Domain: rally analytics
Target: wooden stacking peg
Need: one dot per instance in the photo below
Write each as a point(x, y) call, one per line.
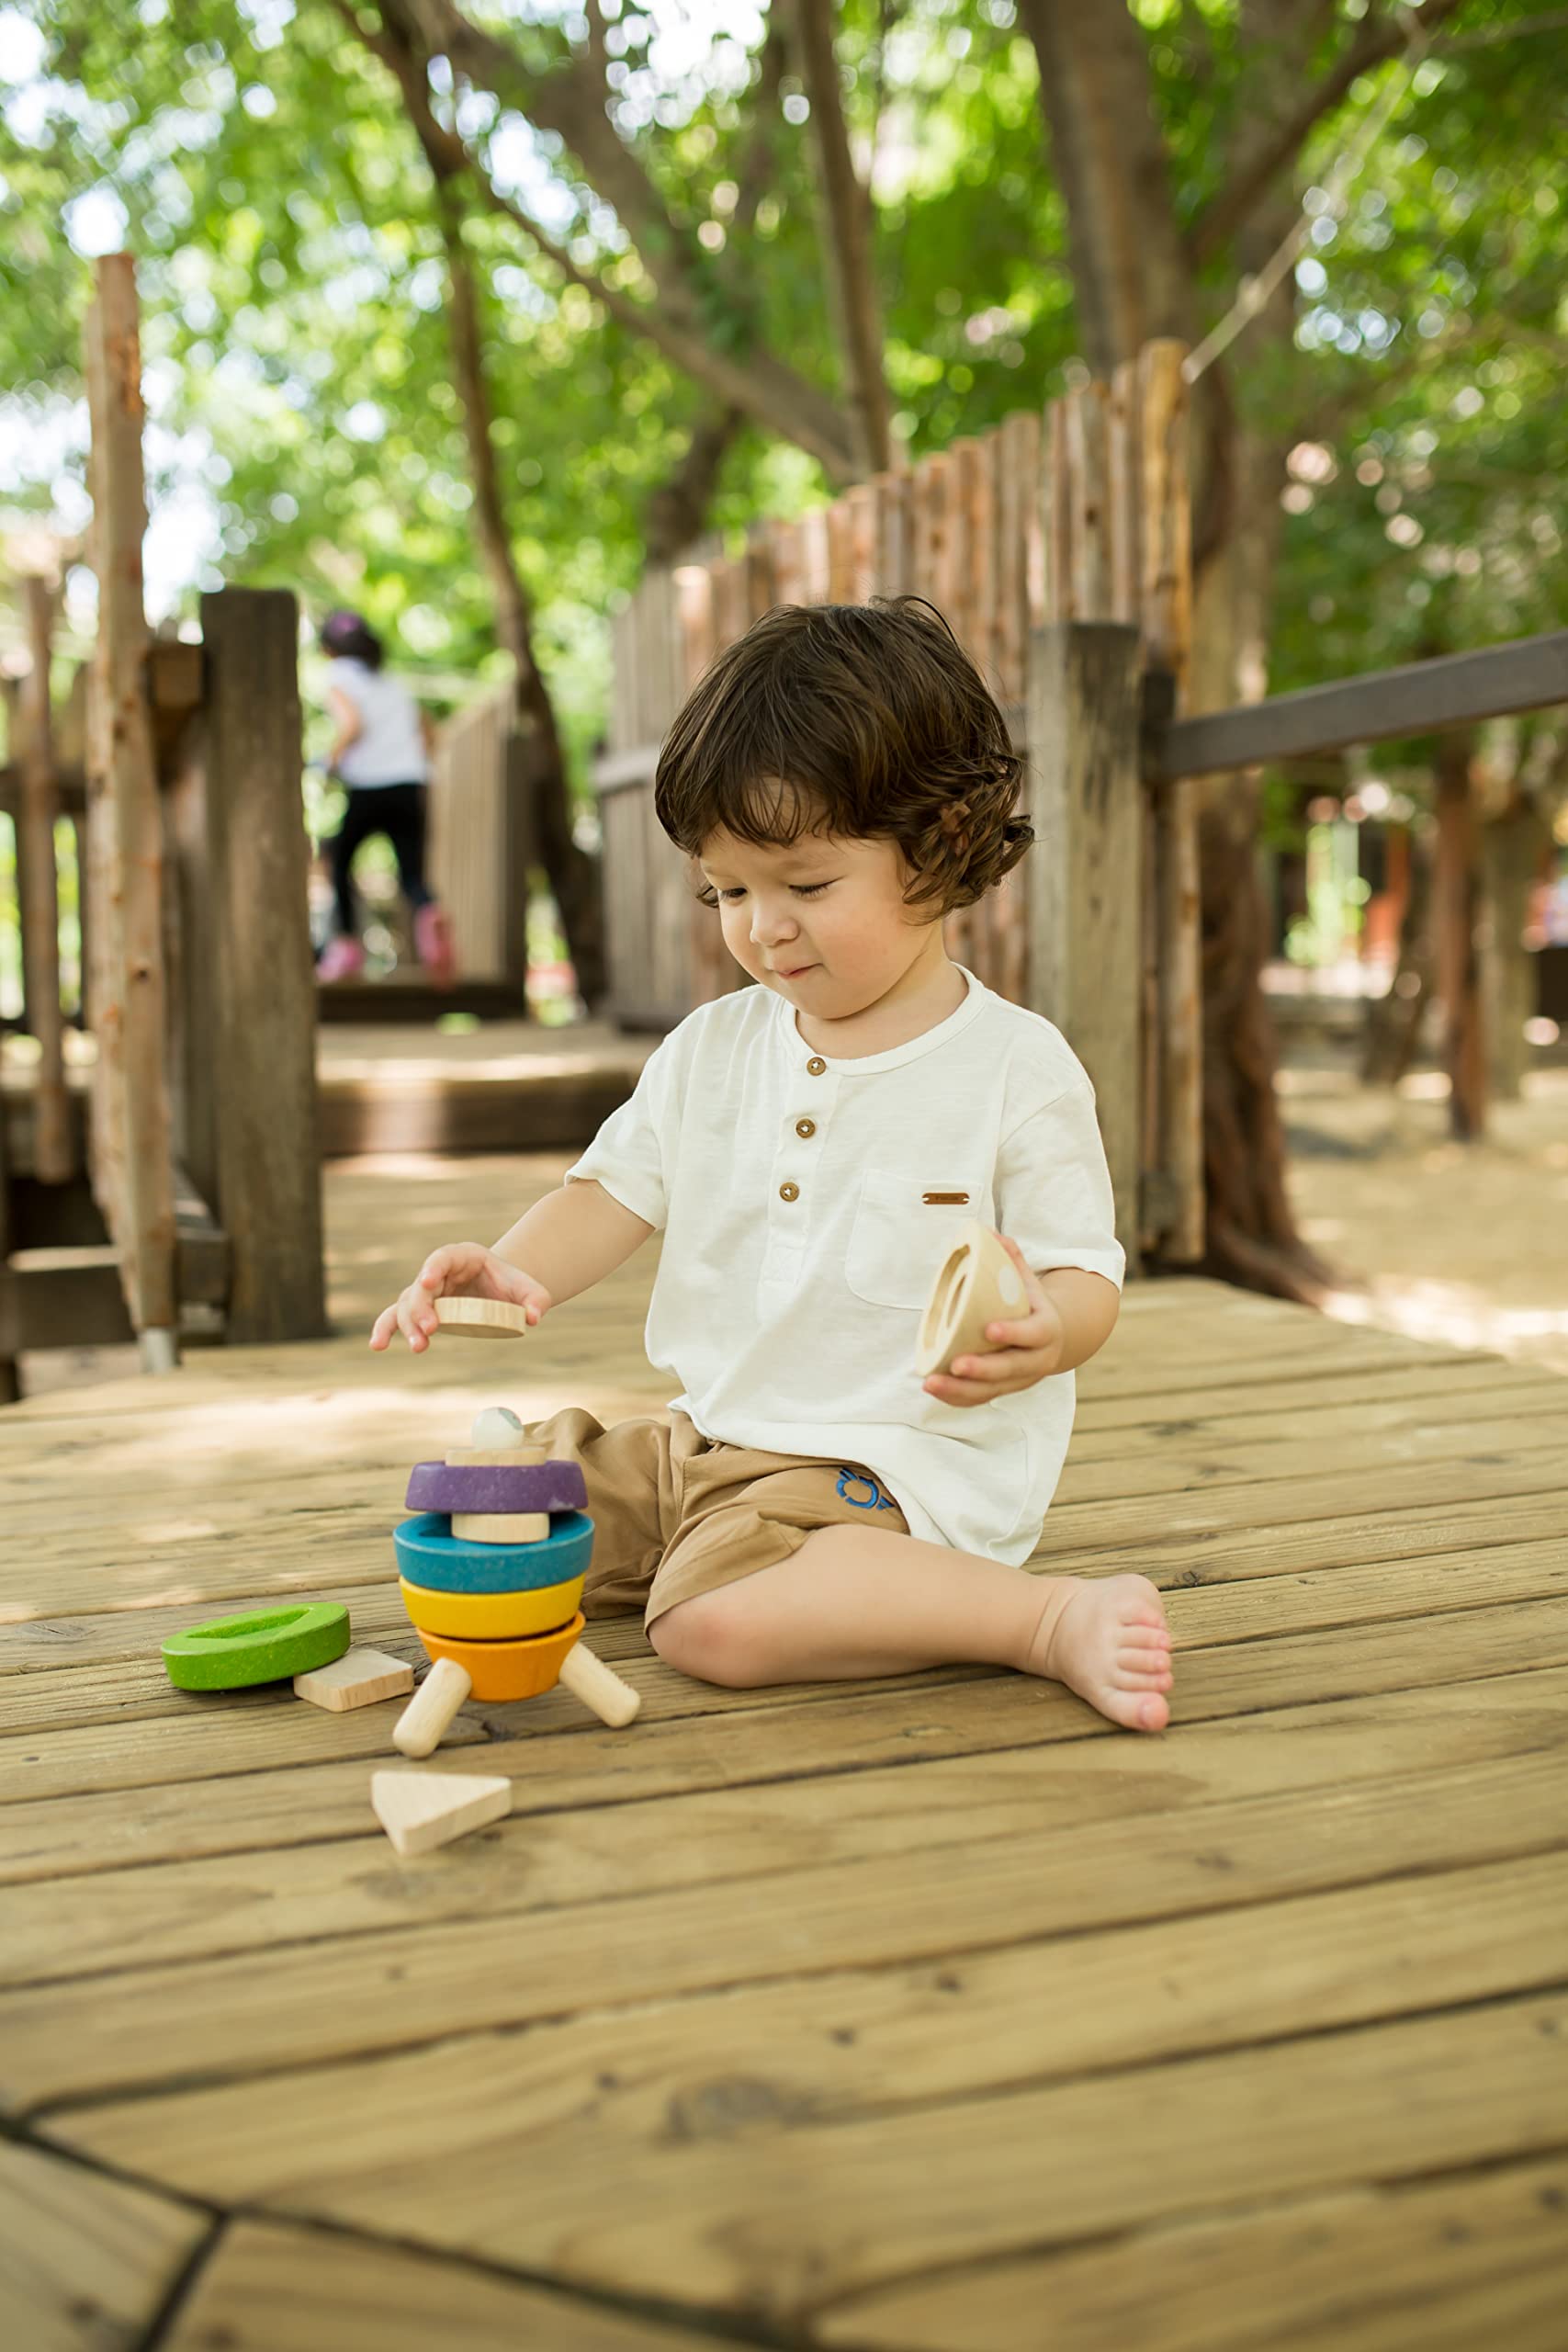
point(429, 1712)
point(501, 1526)
point(976, 1284)
point(604, 1693)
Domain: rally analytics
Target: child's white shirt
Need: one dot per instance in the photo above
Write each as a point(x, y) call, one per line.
point(799, 1251)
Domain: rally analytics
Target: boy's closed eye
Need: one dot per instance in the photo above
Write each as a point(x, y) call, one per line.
point(801, 890)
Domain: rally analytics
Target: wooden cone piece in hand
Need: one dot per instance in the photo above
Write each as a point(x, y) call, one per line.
point(419, 1729)
point(976, 1284)
point(589, 1679)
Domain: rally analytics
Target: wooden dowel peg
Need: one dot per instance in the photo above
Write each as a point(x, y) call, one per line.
point(589, 1679)
point(430, 1711)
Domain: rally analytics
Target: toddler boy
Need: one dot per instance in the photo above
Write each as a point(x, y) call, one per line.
point(842, 779)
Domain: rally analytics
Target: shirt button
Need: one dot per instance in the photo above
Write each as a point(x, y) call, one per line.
point(815, 1065)
point(805, 1128)
point(789, 1192)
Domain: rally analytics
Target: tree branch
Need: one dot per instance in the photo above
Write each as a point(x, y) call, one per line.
point(569, 102)
point(847, 243)
point(1270, 145)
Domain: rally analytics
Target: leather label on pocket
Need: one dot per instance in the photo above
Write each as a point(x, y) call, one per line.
point(943, 1199)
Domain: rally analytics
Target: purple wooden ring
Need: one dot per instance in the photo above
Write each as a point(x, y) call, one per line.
point(500, 1487)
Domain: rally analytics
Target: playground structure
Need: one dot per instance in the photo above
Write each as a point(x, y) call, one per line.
point(1057, 545)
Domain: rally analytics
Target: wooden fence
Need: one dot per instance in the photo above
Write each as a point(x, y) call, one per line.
point(1057, 548)
point(482, 841)
point(200, 1136)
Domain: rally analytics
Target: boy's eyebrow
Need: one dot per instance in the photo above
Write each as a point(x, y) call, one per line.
point(790, 859)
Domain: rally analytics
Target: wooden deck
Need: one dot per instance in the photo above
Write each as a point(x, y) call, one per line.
point(932, 2015)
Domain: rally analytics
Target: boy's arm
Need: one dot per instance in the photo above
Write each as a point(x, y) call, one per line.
point(573, 1237)
point(1087, 1304)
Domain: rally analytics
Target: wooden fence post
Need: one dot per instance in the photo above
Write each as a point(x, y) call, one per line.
point(1084, 876)
point(263, 1070)
point(1163, 398)
point(54, 1158)
point(132, 1165)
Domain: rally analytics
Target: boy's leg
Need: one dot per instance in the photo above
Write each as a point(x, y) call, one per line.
point(853, 1602)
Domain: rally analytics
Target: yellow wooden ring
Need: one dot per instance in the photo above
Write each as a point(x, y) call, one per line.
point(508, 1670)
point(492, 1616)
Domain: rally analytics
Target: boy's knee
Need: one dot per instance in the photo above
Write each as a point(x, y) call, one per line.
point(709, 1638)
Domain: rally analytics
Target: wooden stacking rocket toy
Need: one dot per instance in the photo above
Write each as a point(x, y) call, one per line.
point(492, 1575)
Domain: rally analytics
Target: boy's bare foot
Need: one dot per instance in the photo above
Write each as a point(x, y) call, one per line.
point(1106, 1637)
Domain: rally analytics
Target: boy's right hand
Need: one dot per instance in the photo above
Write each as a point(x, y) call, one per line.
point(460, 1270)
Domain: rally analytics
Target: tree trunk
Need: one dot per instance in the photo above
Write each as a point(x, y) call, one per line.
point(575, 877)
point(1457, 895)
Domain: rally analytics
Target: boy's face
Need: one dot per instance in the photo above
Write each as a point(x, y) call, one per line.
point(831, 905)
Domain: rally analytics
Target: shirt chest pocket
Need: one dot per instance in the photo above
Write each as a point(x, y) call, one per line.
point(902, 1230)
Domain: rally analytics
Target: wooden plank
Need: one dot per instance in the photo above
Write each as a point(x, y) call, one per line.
point(1192, 1480)
point(1123, 488)
point(1043, 2011)
point(1328, 1742)
point(894, 533)
point(1166, 616)
point(212, 1738)
point(874, 2200)
point(840, 554)
point(54, 1156)
point(370, 1990)
point(1442, 2265)
point(268, 1194)
point(1087, 430)
point(267, 2286)
point(194, 1909)
point(136, 1191)
point(816, 557)
point(694, 588)
point(1415, 698)
point(863, 510)
point(85, 2261)
point(1083, 900)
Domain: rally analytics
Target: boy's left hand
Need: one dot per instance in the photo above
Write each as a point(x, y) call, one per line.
point(1029, 1348)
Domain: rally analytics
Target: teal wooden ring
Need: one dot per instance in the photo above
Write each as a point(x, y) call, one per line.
point(260, 1645)
point(429, 1554)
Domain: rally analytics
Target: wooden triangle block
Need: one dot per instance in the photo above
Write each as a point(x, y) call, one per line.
point(422, 1810)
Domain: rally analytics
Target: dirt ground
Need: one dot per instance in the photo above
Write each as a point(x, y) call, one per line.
point(1466, 1243)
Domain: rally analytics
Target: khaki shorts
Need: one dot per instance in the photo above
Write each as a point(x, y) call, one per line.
point(676, 1513)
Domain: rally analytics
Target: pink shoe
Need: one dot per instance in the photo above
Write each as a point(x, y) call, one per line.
point(342, 959)
point(432, 944)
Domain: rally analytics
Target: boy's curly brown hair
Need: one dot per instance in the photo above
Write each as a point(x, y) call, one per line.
point(861, 720)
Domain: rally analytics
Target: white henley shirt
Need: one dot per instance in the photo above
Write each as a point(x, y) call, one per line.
point(799, 1248)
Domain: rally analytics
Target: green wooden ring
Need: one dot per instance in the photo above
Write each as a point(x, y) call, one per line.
point(264, 1646)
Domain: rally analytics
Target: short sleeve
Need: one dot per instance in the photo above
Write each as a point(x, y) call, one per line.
point(1052, 1188)
point(632, 1148)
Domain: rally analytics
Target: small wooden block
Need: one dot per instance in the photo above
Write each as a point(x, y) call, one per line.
point(423, 1810)
point(495, 1457)
point(482, 1319)
point(501, 1526)
point(358, 1679)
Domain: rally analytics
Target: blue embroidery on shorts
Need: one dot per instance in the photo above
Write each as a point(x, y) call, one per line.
point(873, 1500)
